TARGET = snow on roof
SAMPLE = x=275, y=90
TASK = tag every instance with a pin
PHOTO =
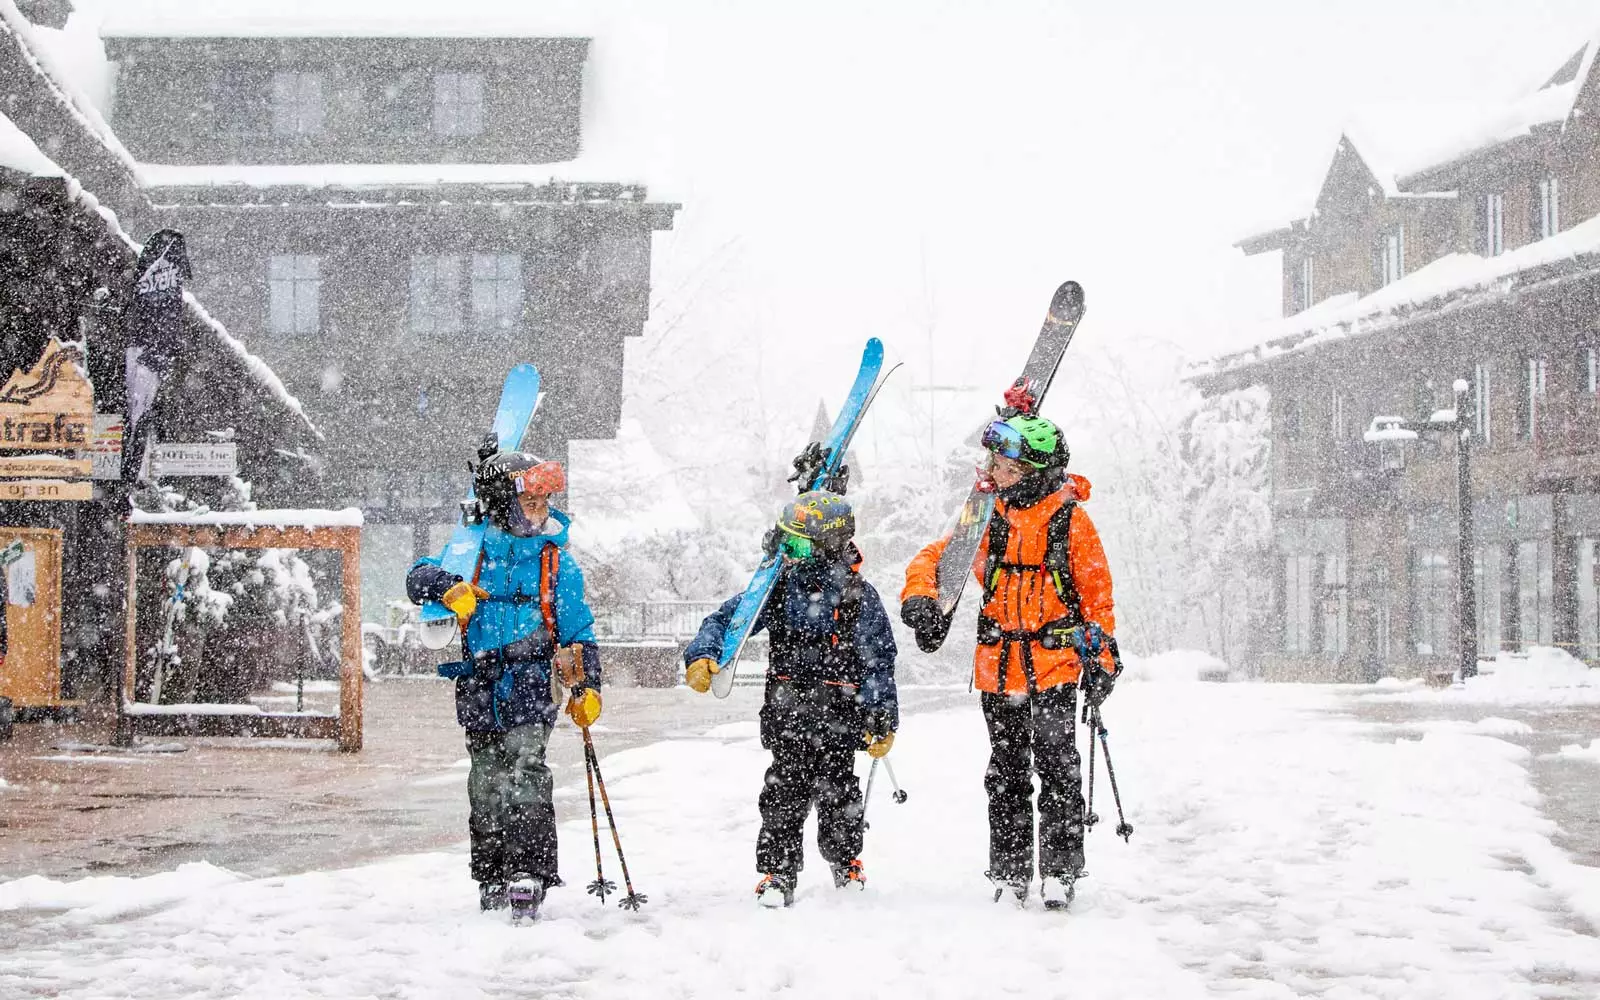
x=1498, y=124
x=1455, y=279
x=40, y=47
x=19, y=152
x=350, y=18
x=366, y=175
x=349, y=517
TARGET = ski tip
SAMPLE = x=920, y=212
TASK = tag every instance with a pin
x=1067, y=301
x=873, y=351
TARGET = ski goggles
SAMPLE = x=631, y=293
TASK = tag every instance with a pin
x=1004, y=440
x=796, y=547
x=541, y=480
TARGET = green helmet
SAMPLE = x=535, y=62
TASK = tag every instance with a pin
x=1033, y=440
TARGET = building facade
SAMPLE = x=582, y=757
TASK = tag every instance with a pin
x=1481, y=265
x=397, y=221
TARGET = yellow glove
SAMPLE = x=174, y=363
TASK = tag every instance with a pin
x=584, y=707
x=462, y=598
x=698, y=674
x=878, y=746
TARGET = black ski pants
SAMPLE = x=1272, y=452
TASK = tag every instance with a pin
x=512, y=818
x=813, y=732
x=1027, y=734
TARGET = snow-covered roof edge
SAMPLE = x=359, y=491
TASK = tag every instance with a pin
x=1451, y=280
x=349, y=517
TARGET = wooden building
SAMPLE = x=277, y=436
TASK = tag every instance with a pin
x=396, y=218
x=67, y=265
x=1482, y=265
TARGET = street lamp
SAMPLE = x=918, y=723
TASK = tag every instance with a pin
x=1391, y=434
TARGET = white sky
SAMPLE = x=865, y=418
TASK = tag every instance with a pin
x=856, y=172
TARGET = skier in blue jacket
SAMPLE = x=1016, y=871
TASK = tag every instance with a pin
x=830, y=691
x=516, y=623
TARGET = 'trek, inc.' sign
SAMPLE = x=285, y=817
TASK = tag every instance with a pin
x=51, y=407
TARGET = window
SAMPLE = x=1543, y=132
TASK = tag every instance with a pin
x=1335, y=601
x=1494, y=225
x=1305, y=289
x=1393, y=253
x=436, y=294
x=295, y=299
x=1336, y=415
x=1532, y=398
x=496, y=291
x=1589, y=370
x=1298, y=602
x=1492, y=584
x=1291, y=419
x=457, y=104
x=1535, y=594
x=1481, y=389
x=1548, y=207
x=1432, y=590
x=239, y=105
x=1587, y=586
x=296, y=104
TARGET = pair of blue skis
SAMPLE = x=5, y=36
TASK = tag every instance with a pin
x=519, y=402
x=844, y=427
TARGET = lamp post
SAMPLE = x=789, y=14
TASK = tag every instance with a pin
x=1391, y=434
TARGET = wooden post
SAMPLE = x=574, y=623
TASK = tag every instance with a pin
x=124, y=734
x=351, y=676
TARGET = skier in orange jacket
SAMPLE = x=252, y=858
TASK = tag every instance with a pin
x=1047, y=611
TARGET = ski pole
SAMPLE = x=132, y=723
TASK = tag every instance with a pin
x=1090, y=817
x=888, y=768
x=601, y=885
x=633, y=900
x=1124, y=828
x=866, y=797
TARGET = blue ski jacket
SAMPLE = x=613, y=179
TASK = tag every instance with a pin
x=503, y=679
x=826, y=626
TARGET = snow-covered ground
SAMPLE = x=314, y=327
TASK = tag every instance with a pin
x=1280, y=849
x=1544, y=675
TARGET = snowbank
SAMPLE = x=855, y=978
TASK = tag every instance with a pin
x=1575, y=750
x=1176, y=665
x=1542, y=676
x=349, y=517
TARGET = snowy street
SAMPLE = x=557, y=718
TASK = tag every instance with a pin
x=1289, y=841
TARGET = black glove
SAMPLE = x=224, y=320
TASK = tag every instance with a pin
x=926, y=620
x=1096, y=684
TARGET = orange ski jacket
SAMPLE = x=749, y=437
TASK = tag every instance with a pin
x=1025, y=625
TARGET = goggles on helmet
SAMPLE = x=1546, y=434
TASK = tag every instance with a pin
x=541, y=480
x=796, y=547
x=1003, y=439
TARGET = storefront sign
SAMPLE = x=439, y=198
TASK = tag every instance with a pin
x=52, y=468
x=219, y=459
x=51, y=407
x=14, y=490
x=105, y=446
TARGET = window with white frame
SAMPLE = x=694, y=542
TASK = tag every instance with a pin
x=1591, y=369
x=297, y=107
x=1336, y=425
x=1393, y=253
x=436, y=294
x=1535, y=593
x=1308, y=289
x=1433, y=589
x=294, y=293
x=1492, y=587
x=1533, y=373
x=457, y=104
x=496, y=291
x=1482, y=386
x=1549, y=206
x=1494, y=225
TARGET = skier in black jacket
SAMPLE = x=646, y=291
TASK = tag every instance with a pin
x=830, y=691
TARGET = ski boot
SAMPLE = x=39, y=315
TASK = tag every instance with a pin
x=492, y=896
x=525, y=895
x=775, y=890
x=849, y=875
x=1057, y=890
x=1017, y=886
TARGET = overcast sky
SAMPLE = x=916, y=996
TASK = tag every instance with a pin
x=883, y=170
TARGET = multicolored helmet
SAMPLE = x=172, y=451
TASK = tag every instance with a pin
x=815, y=523
x=503, y=476
x=1033, y=440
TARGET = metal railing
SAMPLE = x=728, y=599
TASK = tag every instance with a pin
x=678, y=620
